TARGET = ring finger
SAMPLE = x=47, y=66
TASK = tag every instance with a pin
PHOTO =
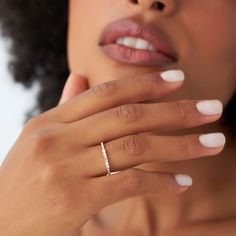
x=134, y=150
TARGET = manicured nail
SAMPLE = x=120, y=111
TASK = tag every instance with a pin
x=212, y=140
x=210, y=107
x=172, y=75
x=184, y=180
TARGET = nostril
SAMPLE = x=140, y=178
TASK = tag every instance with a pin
x=134, y=1
x=158, y=5
x=155, y=5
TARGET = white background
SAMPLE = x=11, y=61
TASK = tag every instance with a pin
x=15, y=100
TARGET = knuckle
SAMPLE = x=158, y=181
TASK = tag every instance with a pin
x=166, y=182
x=188, y=146
x=149, y=82
x=104, y=89
x=131, y=180
x=182, y=109
x=128, y=112
x=135, y=144
x=42, y=141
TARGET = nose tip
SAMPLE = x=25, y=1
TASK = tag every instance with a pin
x=165, y=6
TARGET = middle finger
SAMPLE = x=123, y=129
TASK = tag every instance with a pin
x=136, y=118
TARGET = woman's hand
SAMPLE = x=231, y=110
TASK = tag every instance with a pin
x=54, y=178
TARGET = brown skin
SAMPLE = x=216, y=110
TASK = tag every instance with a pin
x=201, y=32
x=52, y=182
x=204, y=37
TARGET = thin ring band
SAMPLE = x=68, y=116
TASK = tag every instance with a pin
x=106, y=161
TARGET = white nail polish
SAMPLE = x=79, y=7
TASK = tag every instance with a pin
x=184, y=180
x=210, y=107
x=172, y=75
x=212, y=140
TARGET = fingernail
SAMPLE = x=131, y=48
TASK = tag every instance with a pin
x=172, y=75
x=212, y=140
x=210, y=107
x=184, y=180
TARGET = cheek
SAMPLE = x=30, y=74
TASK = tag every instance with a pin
x=81, y=33
x=79, y=26
x=210, y=26
x=87, y=19
x=216, y=37
x=211, y=58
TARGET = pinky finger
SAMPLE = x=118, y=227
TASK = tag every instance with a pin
x=135, y=182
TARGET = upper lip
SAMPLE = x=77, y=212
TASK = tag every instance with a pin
x=128, y=27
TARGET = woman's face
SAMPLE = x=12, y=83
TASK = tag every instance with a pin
x=202, y=33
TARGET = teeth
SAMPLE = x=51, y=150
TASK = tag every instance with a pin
x=136, y=43
x=129, y=42
x=120, y=41
x=142, y=44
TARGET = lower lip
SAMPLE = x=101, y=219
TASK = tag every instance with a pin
x=136, y=56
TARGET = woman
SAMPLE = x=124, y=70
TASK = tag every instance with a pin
x=136, y=143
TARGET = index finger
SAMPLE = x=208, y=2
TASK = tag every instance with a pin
x=117, y=92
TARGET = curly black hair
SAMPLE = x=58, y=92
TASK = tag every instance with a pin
x=38, y=31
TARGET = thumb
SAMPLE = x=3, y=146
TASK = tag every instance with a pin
x=74, y=85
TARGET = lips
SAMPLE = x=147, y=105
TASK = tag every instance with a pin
x=163, y=55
